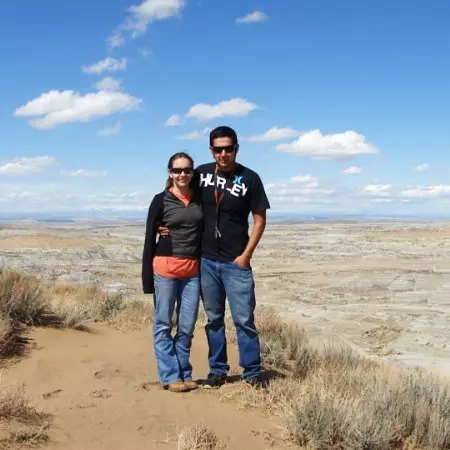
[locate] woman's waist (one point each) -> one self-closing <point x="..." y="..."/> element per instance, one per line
<point x="171" y="246"/>
<point x="176" y="266"/>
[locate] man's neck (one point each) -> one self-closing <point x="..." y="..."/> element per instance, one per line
<point x="229" y="169"/>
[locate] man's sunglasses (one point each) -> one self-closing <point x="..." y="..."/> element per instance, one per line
<point x="228" y="149"/>
<point x="180" y="170"/>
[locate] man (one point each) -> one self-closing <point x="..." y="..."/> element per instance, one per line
<point x="229" y="193"/>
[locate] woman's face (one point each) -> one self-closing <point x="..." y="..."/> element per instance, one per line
<point x="181" y="172"/>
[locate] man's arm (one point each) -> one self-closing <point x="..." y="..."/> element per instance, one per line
<point x="259" y="225"/>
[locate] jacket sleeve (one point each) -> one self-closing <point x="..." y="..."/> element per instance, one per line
<point x="153" y="217"/>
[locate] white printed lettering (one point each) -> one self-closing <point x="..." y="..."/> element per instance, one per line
<point x="235" y="190"/>
<point x="221" y="182"/>
<point x="238" y="190"/>
<point x="206" y="179"/>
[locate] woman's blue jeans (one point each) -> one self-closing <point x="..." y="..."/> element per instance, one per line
<point x="172" y="352"/>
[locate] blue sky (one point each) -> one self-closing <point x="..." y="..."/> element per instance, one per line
<point x="341" y="107"/>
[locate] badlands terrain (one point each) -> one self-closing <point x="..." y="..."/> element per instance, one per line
<point x="382" y="287"/>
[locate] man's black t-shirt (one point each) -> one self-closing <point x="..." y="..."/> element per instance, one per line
<point x="243" y="193"/>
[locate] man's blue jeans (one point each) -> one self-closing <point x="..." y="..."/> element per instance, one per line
<point x="220" y="280"/>
<point x="172" y="353"/>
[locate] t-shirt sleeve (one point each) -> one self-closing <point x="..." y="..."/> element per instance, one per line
<point x="258" y="198"/>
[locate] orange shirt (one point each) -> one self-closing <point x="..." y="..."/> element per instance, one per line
<point x="174" y="266"/>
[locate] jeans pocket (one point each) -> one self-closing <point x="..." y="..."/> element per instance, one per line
<point x="243" y="270"/>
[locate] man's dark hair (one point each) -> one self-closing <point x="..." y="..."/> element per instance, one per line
<point x="223" y="131"/>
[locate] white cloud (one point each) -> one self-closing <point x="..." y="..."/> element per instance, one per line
<point x="382" y="200"/>
<point x="115" y="40"/>
<point x="275" y="134"/>
<point x="433" y="191"/>
<point x="108" y="64"/>
<point x="174" y="120"/>
<point x="196" y="134"/>
<point x="140" y="16"/>
<point x="309" y="181"/>
<point x="422" y="167"/>
<point x="84" y="173"/>
<point x="330" y="146"/>
<point x="253" y="17"/>
<point x="110" y="131"/>
<point x="235" y="107"/>
<point x="84" y="193"/>
<point x="378" y="190"/>
<point x="108" y="84"/>
<point x="352" y="170"/>
<point x="298" y="188"/>
<point x="26" y="166"/>
<point x="55" y="107"/>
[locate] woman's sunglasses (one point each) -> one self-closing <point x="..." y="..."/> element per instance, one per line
<point x="228" y="149"/>
<point x="180" y="170"/>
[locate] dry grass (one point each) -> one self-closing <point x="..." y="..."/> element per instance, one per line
<point x="14" y="405"/>
<point x="198" y="437"/>
<point x="25" y="437"/>
<point x="76" y="306"/>
<point x="344" y="401"/>
<point x="6" y="337"/>
<point x="22" y="297"/>
<point x="376" y="409"/>
<point x="25" y="426"/>
<point x="24" y="300"/>
<point x="135" y="313"/>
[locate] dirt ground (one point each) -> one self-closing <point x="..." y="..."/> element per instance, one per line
<point x="101" y="390"/>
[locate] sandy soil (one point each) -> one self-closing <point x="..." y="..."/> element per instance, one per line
<point x="92" y="385"/>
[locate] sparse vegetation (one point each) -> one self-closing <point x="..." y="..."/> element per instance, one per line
<point x="199" y="437"/>
<point x="6" y="337"/>
<point x="344" y="401"/>
<point x="26" y="426"/>
<point x="25" y="300"/>
<point x="29" y="437"/>
<point x="112" y="305"/>
<point x="22" y="301"/>
<point x="22" y="297"/>
<point x="132" y="314"/>
<point x="15" y="406"/>
<point x="76" y="306"/>
<point x="328" y="397"/>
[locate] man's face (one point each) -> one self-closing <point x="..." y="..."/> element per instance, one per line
<point x="224" y="153"/>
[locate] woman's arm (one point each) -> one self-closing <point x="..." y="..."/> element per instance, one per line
<point x="154" y="213"/>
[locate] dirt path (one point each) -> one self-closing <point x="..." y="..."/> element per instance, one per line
<point x="90" y="383"/>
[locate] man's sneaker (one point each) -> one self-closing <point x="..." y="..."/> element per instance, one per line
<point x="213" y="381"/>
<point x="255" y="383"/>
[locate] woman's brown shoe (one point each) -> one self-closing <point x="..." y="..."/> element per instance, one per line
<point x="191" y="385"/>
<point x="177" y="386"/>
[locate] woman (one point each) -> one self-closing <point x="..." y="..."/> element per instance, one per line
<point x="170" y="270"/>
